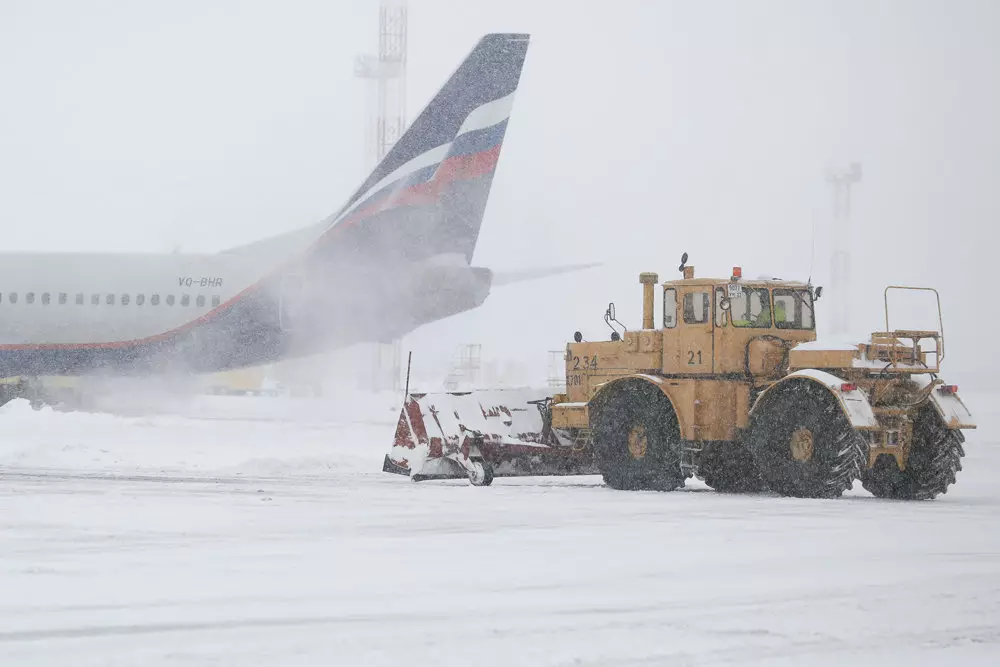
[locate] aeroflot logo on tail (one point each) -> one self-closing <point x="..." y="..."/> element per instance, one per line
<point x="199" y="282"/>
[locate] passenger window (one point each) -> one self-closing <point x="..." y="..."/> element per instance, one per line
<point x="79" y="299"/>
<point x="12" y="297"/>
<point x="170" y="299"/>
<point x="62" y="298"/>
<point x="720" y="312"/>
<point x="140" y="299"/>
<point x="186" y="300"/>
<point x="216" y="301"/>
<point x="696" y="306"/>
<point x="45" y="298"/>
<point x="124" y="299"/>
<point x="29" y="297"/>
<point x="669" y="308"/>
<point x="95" y="299"/>
<point x="154" y="300"/>
<point x="200" y="301"/>
<point x="110" y="300"/>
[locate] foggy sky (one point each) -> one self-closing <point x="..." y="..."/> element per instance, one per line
<point x="640" y="130"/>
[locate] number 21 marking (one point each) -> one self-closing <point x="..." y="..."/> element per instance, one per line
<point x="691" y="361"/>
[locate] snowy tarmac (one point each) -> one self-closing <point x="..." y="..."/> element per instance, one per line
<point x="185" y="540"/>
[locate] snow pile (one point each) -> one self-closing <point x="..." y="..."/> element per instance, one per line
<point x="338" y="405"/>
<point x="177" y="445"/>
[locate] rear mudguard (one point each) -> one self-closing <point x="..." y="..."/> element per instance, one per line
<point x="853" y="402"/>
<point x="951" y="408"/>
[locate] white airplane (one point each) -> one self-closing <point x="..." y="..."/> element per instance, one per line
<point x="396" y="255"/>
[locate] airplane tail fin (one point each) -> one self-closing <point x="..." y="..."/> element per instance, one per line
<point x="428" y="195"/>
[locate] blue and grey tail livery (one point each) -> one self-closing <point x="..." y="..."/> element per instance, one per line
<point x="428" y="195"/>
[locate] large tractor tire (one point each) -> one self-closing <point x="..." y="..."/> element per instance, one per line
<point x="728" y="467"/>
<point x="637" y="442"/>
<point x="803" y="443"/>
<point x="934" y="461"/>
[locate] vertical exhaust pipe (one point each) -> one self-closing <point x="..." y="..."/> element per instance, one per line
<point x="648" y="281"/>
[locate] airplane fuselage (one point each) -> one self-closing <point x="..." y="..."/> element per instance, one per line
<point x="72" y="314"/>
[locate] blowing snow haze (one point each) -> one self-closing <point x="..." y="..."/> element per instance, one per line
<point x="642" y="130"/>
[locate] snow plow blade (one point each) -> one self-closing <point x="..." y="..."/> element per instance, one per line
<point x="481" y="435"/>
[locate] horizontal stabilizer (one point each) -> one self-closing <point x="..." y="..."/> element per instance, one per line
<point x="508" y="277"/>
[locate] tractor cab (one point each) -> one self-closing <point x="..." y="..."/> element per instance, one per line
<point x="734" y="326"/>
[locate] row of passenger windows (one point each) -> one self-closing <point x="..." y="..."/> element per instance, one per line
<point x="62" y="298"/>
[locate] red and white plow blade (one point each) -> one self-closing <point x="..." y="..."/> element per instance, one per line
<point x="481" y="434"/>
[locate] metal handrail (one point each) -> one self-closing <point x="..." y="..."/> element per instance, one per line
<point x="940" y="352"/>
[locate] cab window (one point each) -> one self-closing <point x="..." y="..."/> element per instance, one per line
<point x="696" y="307"/>
<point x="669" y="308"/>
<point x="793" y="309"/>
<point x="752" y="308"/>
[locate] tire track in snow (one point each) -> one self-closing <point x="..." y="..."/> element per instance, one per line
<point x="802" y="648"/>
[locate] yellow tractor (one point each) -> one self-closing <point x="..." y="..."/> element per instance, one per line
<point x="731" y="387"/>
<point x="734" y="389"/>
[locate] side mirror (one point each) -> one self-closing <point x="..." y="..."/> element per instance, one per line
<point x="819" y="293"/>
<point x="684" y="259"/>
<point x="577" y="336"/>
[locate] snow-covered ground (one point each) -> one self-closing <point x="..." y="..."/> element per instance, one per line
<point x="269" y="536"/>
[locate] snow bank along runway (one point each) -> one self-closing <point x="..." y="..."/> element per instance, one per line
<point x="180" y="540"/>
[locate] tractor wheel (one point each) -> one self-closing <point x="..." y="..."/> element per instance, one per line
<point x="729" y="468"/>
<point x="935" y="458"/>
<point x="637" y="442"/>
<point x="803" y="443"/>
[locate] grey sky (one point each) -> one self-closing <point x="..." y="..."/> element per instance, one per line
<point x="641" y="129"/>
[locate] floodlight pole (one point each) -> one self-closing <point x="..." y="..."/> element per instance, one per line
<point x="841" y="181"/>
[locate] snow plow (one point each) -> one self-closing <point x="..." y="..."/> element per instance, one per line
<point x="732" y="388"/>
<point x="481" y="435"/>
